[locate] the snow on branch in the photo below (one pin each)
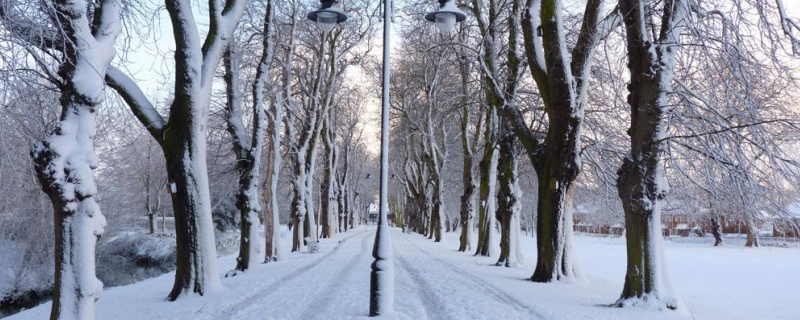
(791, 27)
(222, 24)
(675, 14)
(531, 22)
(233, 106)
(106, 25)
(137, 101)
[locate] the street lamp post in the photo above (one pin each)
(381, 285)
(381, 298)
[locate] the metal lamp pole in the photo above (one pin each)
(381, 299)
(381, 289)
(381, 292)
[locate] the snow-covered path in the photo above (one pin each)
(322, 285)
(434, 281)
(448, 292)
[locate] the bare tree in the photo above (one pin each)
(183, 135)
(561, 77)
(248, 154)
(641, 184)
(469, 143)
(65, 161)
(329, 188)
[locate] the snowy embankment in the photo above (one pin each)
(433, 281)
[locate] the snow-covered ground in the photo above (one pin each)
(433, 281)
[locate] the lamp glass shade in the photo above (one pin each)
(445, 21)
(326, 20)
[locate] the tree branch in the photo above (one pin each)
(137, 101)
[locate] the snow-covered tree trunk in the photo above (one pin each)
(272, 223)
(435, 156)
(751, 230)
(298, 201)
(183, 136)
(562, 81)
(328, 187)
(274, 117)
(415, 182)
(316, 104)
(468, 197)
(311, 213)
(508, 200)
(298, 143)
(341, 194)
(303, 202)
(321, 106)
(344, 185)
(487, 224)
(248, 153)
(468, 145)
(186, 166)
(65, 160)
(436, 222)
(641, 182)
(499, 91)
(355, 214)
(152, 188)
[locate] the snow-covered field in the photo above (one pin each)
(433, 281)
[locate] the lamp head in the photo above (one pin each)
(446, 17)
(327, 16)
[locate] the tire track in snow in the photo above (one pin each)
(274, 286)
(425, 291)
(489, 289)
(324, 296)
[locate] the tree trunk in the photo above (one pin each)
(751, 229)
(196, 257)
(641, 182)
(716, 230)
(249, 208)
(311, 213)
(183, 138)
(298, 205)
(468, 197)
(508, 207)
(78, 222)
(343, 210)
(562, 78)
(328, 191)
(556, 174)
(163, 222)
(488, 170)
(467, 211)
(271, 213)
(248, 155)
(340, 204)
(151, 222)
(436, 211)
(641, 187)
(65, 160)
